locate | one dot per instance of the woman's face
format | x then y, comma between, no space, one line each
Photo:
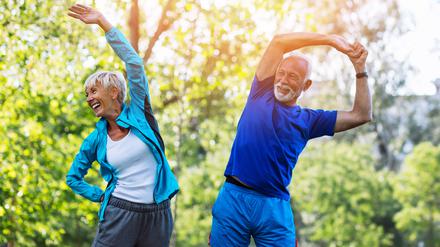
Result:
100,99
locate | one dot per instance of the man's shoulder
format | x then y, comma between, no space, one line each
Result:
266,80
304,113
261,87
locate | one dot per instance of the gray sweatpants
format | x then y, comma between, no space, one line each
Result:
130,224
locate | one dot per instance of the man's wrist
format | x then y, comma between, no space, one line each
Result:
360,69
361,75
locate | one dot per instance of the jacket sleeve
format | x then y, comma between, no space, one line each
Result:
75,177
137,79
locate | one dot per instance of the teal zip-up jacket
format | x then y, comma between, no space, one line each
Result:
138,117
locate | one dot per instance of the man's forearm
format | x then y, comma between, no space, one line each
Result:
362,102
293,41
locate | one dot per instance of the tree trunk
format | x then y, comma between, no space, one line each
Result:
133,24
166,19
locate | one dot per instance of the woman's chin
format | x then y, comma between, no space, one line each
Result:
98,114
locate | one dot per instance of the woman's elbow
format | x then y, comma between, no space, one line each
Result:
71,181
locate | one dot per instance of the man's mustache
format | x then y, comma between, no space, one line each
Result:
285,86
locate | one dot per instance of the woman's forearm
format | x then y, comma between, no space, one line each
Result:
104,23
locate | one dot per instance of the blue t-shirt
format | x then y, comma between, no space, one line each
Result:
270,137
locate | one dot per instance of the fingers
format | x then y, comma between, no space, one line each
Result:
81,12
364,54
358,50
80,9
83,6
77,9
76,16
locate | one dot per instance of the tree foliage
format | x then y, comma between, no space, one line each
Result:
417,188
341,199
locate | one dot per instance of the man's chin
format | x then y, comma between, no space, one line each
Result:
286,99
283,98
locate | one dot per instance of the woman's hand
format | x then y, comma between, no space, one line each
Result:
89,15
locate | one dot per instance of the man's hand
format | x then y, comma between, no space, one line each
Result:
89,15
359,57
342,45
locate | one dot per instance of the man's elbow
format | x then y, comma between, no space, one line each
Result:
365,118
277,40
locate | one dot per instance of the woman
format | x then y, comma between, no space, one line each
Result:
135,207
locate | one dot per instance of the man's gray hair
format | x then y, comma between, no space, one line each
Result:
300,55
109,79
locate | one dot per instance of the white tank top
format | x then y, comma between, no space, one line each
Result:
135,166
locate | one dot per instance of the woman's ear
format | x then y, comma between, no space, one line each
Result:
114,93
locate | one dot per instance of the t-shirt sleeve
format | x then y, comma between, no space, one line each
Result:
321,123
258,87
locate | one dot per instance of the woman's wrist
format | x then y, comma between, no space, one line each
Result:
104,23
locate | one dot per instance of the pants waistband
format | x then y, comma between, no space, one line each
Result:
230,186
138,207
232,180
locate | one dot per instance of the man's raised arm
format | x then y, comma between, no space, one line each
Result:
361,112
284,43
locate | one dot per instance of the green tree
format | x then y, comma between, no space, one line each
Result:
417,188
339,199
44,59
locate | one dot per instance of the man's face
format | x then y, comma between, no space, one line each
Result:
290,80
99,99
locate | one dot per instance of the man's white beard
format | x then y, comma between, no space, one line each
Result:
283,97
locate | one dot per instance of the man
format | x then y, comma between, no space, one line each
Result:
272,132
135,207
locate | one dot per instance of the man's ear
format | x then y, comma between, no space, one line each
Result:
307,85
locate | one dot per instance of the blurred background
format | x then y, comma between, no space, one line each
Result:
377,185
